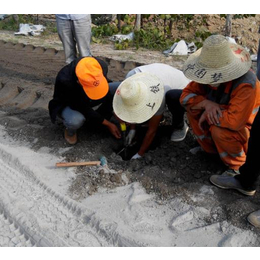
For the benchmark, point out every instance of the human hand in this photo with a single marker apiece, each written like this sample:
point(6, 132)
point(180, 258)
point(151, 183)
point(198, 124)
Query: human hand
point(212, 112)
point(130, 136)
point(136, 156)
point(114, 130)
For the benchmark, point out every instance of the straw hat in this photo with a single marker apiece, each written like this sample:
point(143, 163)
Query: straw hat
point(90, 75)
point(138, 98)
point(217, 61)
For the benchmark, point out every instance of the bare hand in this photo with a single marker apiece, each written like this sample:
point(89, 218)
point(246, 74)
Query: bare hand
point(212, 112)
point(114, 130)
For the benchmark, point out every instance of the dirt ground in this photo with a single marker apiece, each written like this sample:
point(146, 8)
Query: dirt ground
point(28, 70)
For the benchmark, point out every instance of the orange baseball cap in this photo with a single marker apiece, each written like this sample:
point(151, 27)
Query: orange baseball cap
point(91, 78)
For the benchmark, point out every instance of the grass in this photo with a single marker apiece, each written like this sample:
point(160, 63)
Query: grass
point(12, 22)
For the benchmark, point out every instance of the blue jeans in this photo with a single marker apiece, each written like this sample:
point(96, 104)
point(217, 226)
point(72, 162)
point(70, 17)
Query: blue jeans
point(72, 33)
point(72, 120)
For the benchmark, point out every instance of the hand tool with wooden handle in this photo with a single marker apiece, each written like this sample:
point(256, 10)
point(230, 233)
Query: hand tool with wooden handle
point(102, 162)
point(73, 164)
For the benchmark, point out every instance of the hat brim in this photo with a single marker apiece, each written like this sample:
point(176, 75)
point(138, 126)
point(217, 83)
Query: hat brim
point(150, 102)
point(195, 71)
point(98, 92)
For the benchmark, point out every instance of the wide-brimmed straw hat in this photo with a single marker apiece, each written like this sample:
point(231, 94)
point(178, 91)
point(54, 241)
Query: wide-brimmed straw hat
point(138, 98)
point(217, 61)
point(90, 75)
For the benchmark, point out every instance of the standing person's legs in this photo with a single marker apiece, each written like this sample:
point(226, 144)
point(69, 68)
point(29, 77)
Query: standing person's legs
point(65, 33)
point(250, 171)
point(82, 33)
point(258, 62)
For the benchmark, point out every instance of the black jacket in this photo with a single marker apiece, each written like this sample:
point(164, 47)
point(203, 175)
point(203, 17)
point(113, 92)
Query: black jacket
point(68, 92)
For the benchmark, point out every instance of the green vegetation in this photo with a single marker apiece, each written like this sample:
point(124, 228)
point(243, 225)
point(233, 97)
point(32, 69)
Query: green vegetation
point(156, 31)
point(239, 16)
point(155, 34)
point(12, 22)
point(152, 39)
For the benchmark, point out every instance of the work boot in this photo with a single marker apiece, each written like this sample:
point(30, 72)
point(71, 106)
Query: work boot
point(70, 138)
point(230, 172)
point(254, 218)
point(180, 134)
point(229, 182)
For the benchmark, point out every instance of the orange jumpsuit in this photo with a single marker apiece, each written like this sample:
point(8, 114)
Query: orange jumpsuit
point(240, 100)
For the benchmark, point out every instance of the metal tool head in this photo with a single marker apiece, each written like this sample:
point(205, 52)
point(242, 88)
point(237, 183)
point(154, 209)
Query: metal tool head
point(103, 161)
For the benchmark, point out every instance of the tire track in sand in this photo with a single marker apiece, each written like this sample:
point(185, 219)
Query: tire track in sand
point(32, 214)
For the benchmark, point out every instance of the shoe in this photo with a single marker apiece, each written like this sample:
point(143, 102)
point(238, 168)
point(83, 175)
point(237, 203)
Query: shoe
point(71, 139)
point(230, 172)
point(254, 218)
point(180, 134)
point(229, 182)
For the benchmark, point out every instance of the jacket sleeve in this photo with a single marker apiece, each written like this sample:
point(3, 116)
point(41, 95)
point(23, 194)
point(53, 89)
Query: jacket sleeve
point(104, 110)
point(240, 108)
point(56, 104)
point(93, 116)
point(192, 95)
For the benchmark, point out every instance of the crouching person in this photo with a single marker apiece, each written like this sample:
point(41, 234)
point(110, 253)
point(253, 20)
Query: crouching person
point(142, 97)
point(174, 82)
point(222, 100)
point(82, 93)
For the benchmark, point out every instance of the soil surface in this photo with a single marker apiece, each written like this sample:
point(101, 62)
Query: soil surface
point(28, 70)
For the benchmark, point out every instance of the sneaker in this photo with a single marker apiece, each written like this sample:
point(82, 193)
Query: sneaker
point(180, 134)
point(254, 218)
point(230, 172)
point(229, 182)
point(71, 139)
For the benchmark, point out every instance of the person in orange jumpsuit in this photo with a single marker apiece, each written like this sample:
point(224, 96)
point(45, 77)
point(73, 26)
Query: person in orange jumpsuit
point(222, 99)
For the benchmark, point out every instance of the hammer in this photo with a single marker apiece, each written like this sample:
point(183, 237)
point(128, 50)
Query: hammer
point(102, 162)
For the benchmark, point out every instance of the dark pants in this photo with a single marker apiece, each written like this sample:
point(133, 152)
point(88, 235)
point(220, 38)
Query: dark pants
point(172, 98)
point(250, 171)
point(258, 62)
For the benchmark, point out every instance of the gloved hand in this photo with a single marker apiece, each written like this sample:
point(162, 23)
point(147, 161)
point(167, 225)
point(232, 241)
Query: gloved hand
point(136, 156)
point(130, 136)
